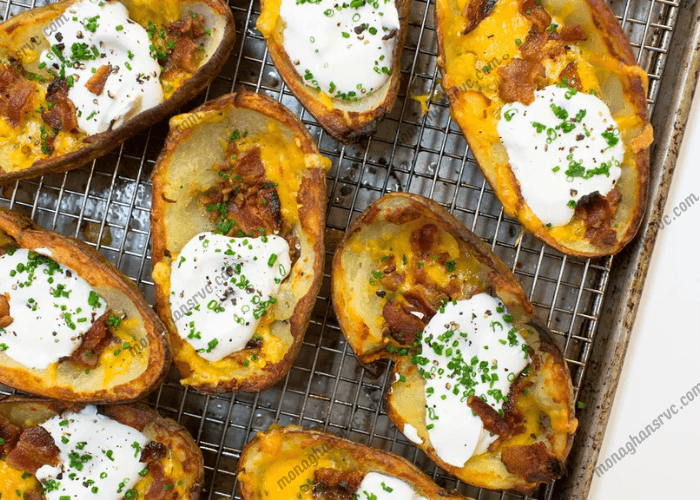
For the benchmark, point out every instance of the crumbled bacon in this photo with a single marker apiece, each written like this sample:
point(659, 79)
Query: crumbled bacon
point(493, 422)
point(423, 239)
point(184, 56)
point(332, 484)
point(35, 448)
point(533, 462)
point(597, 213)
point(95, 340)
point(16, 95)
point(158, 490)
point(9, 434)
point(520, 78)
point(153, 451)
point(475, 12)
point(62, 115)
point(573, 33)
point(570, 74)
point(535, 12)
point(96, 84)
point(5, 318)
point(400, 323)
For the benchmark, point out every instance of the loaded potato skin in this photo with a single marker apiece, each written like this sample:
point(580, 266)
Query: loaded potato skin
point(38, 436)
point(248, 173)
point(403, 266)
point(293, 462)
point(64, 103)
point(348, 114)
point(124, 355)
point(501, 77)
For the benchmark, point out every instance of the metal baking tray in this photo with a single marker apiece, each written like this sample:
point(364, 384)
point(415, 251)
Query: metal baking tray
point(589, 304)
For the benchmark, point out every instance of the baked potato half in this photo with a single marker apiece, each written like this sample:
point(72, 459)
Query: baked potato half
point(293, 462)
point(579, 180)
point(122, 356)
point(406, 278)
point(64, 100)
point(42, 439)
point(352, 113)
point(246, 172)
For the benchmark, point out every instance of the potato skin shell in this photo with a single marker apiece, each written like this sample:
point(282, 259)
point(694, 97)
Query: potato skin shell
point(103, 143)
point(254, 458)
point(360, 121)
point(312, 202)
point(96, 270)
point(137, 415)
point(504, 283)
point(635, 86)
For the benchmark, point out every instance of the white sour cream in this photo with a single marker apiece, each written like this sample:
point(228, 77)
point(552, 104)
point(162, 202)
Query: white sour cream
point(51, 305)
point(381, 487)
point(103, 467)
point(221, 288)
point(338, 47)
point(477, 337)
point(98, 34)
point(563, 146)
point(411, 434)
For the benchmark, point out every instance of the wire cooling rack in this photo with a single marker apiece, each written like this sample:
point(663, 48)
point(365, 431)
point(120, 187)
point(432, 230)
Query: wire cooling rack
point(107, 204)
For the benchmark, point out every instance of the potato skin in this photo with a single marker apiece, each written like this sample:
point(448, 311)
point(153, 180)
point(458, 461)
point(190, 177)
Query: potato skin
point(102, 143)
point(602, 27)
point(311, 200)
point(259, 453)
point(97, 271)
point(346, 122)
point(365, 335)
point(27, 412)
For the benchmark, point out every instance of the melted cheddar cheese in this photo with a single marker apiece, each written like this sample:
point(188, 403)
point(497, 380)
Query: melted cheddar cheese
point(15, 483)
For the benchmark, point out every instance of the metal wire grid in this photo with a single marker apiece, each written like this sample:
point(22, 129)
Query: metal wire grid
point(108, 205)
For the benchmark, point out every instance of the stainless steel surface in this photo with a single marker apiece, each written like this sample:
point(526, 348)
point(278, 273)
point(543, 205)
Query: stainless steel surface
point(108, 203)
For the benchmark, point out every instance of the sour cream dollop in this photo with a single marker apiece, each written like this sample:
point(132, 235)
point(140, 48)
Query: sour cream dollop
point(99, 457)
point(222, 287)
point(470, 348)
point(97, 34)
point(343, 49)
point(51, 306)
point(382, 487)
point(562, 147)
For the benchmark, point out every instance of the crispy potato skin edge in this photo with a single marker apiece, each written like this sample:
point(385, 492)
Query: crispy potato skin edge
point(136, 413)
point(372, 458)
point(105, 142)
point(96, 270)
point(506, 282)
point(311, 214)
point(618, 48)
point(346, 127)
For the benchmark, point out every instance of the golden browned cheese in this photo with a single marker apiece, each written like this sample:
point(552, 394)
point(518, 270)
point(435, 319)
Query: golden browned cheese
point(182, 461)
point(484, 65)
point(137, 359)
point(33, 147)
point(285, 462)
point(187, 169)
point(407, 250)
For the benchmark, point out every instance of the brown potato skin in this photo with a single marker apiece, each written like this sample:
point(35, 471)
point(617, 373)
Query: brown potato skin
point(253, 458)
point(97, 271)
point(347, 127)
point(139, 416)
point(635, 89)
point(312, 203)
point(499, 279)
point(102, 143)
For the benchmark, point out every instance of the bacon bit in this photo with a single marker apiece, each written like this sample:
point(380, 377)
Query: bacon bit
point(597, 213)
point(9, 432)
point(5, 318)
point(573, 80)
point(475, 12)
point(423, 239)
point(157, 490)
point(18, 102)
point(96, 84)
point(153, 451)
point(336, 484)
point(95, 340)
point(63, 115)
point(34, 449)
point(540, 18)
point(533, 462)
point(573, 33)
point(184, 55)
point(191, 28)
point(492, 421)
point(520, 80)
point(400, 323)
